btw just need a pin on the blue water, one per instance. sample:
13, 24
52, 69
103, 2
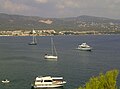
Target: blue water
21, 63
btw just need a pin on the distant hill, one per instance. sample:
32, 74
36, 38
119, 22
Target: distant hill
84, 22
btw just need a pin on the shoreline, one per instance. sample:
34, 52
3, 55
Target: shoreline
55, 35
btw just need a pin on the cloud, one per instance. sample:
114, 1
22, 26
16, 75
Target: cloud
102, 8
41, 1
67, 4
13, 7
62, 8
18, 7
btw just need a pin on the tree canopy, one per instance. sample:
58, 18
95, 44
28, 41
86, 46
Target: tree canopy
103, 81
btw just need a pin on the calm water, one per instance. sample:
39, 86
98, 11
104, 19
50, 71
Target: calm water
21, 63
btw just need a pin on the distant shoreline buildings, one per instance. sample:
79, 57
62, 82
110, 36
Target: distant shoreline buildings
53, 32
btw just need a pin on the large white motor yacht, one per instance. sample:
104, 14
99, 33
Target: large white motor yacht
48, 82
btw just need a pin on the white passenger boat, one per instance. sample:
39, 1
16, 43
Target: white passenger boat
84, 47
48, 82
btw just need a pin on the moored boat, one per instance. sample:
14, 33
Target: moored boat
84, 47
53, 55
5, 81
48, 82
34, 41
50, 56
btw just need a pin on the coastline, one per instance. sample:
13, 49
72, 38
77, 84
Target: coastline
55, 35
52, 32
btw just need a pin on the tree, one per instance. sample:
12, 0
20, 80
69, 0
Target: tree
103, 81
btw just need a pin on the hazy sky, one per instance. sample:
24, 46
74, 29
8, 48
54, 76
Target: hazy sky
62, 8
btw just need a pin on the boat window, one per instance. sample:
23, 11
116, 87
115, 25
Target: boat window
57, 80
47, 80
39, 80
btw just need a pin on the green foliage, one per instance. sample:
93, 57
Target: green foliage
103, 81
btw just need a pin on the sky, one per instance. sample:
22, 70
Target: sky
62, 8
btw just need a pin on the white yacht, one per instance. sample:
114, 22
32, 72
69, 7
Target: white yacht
84, 47
48, 82
5, 81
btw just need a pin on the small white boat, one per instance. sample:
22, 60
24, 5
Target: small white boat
50, 56
84, 47
53, 55
5, 81
48, 82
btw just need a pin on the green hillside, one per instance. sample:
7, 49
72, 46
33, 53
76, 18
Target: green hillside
80, 23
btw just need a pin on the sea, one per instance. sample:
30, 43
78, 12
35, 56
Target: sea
21, 63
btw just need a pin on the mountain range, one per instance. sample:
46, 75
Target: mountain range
84, 22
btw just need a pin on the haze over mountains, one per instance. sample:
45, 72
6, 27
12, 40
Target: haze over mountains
84, 22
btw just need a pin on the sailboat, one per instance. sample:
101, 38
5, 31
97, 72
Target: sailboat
53, 55
34, 41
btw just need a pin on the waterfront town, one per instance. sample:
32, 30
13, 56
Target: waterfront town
51, 32
82, 28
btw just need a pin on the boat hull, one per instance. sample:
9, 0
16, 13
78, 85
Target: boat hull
50, 57
85, 49
49, 86
32, 43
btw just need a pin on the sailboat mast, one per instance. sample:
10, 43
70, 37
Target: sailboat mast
55, 50
33, 38
52, 45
